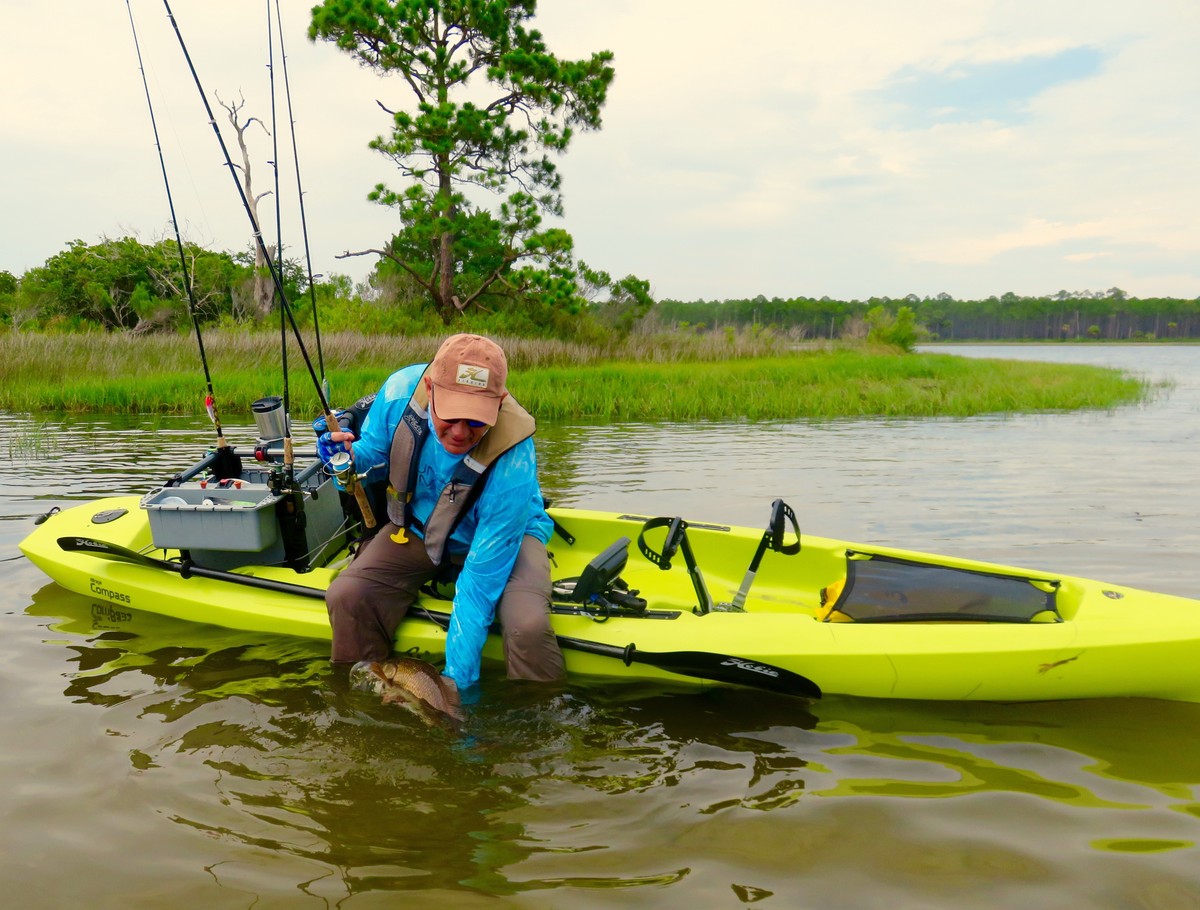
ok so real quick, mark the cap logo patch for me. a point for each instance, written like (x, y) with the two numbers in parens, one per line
(476, 377)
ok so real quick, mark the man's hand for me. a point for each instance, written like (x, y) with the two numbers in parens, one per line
(330, 443)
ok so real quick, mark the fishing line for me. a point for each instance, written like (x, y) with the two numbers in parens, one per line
(196, 218)
(210, 401)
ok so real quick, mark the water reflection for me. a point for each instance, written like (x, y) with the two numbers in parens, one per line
(302, 766)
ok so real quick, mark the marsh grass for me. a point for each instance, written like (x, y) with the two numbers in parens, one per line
(821, 385)
(660, 378)
(34, 442)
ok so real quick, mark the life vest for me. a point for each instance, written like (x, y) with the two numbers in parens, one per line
(513, 425)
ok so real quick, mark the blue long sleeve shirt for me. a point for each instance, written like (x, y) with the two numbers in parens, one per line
(489, 535)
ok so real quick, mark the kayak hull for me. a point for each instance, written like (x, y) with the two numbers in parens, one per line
(1110, 641)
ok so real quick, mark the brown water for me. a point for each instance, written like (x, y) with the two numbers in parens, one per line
(154, 763)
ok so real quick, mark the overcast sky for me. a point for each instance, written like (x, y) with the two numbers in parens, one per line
(777, 147)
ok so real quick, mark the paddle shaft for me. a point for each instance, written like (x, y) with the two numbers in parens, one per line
(187, 570)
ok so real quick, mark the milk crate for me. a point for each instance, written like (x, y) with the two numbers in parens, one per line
(188, 517)
(223, 526)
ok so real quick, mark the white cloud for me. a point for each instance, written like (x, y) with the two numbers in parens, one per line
(1034, 233)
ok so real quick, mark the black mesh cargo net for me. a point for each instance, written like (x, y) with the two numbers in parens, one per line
(887, 589)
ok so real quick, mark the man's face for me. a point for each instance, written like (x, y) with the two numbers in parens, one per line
(457, 437)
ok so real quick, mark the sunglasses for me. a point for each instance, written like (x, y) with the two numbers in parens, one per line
(473, 424)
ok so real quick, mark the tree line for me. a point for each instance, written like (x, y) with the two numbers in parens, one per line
(126, 285)
(1110, 315)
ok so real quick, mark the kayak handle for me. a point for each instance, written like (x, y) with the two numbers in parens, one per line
(676, 530)
(676, 539)
(779, 511)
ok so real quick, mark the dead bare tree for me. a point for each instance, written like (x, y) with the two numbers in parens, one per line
(206, 298)
(264, 287)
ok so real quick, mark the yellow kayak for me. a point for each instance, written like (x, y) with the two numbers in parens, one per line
(654, 597)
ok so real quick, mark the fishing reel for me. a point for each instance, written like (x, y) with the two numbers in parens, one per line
(341, 466)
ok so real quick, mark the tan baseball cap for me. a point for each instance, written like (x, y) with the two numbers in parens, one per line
(468, 375)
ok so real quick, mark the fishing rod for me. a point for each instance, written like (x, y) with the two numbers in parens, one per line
(348, 476)
(290, 509)
(227, 463)
(312, 292)
(288, 454)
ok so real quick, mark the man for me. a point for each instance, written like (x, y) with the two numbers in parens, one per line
(459, 458)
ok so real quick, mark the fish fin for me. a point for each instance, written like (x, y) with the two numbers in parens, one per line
(453, 699)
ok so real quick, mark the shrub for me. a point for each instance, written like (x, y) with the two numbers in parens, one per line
(899, 330)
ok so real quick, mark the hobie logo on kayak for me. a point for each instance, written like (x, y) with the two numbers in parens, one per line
(749, 665)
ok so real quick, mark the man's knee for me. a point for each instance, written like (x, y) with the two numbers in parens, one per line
(345, 594)
(363, 616)
(531, 622)
(530, 578)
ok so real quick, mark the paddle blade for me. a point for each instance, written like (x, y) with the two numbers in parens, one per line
(705, 665)
(725, 668)
(110, 550)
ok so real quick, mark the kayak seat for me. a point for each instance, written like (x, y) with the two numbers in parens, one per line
(878, 588)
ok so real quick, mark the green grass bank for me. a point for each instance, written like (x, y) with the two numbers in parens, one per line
(663, 379)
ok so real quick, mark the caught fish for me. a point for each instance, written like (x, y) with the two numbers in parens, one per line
(415, 684)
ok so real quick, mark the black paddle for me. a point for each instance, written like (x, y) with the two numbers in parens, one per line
(698, 664)
(186, 569)
(706, 665)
